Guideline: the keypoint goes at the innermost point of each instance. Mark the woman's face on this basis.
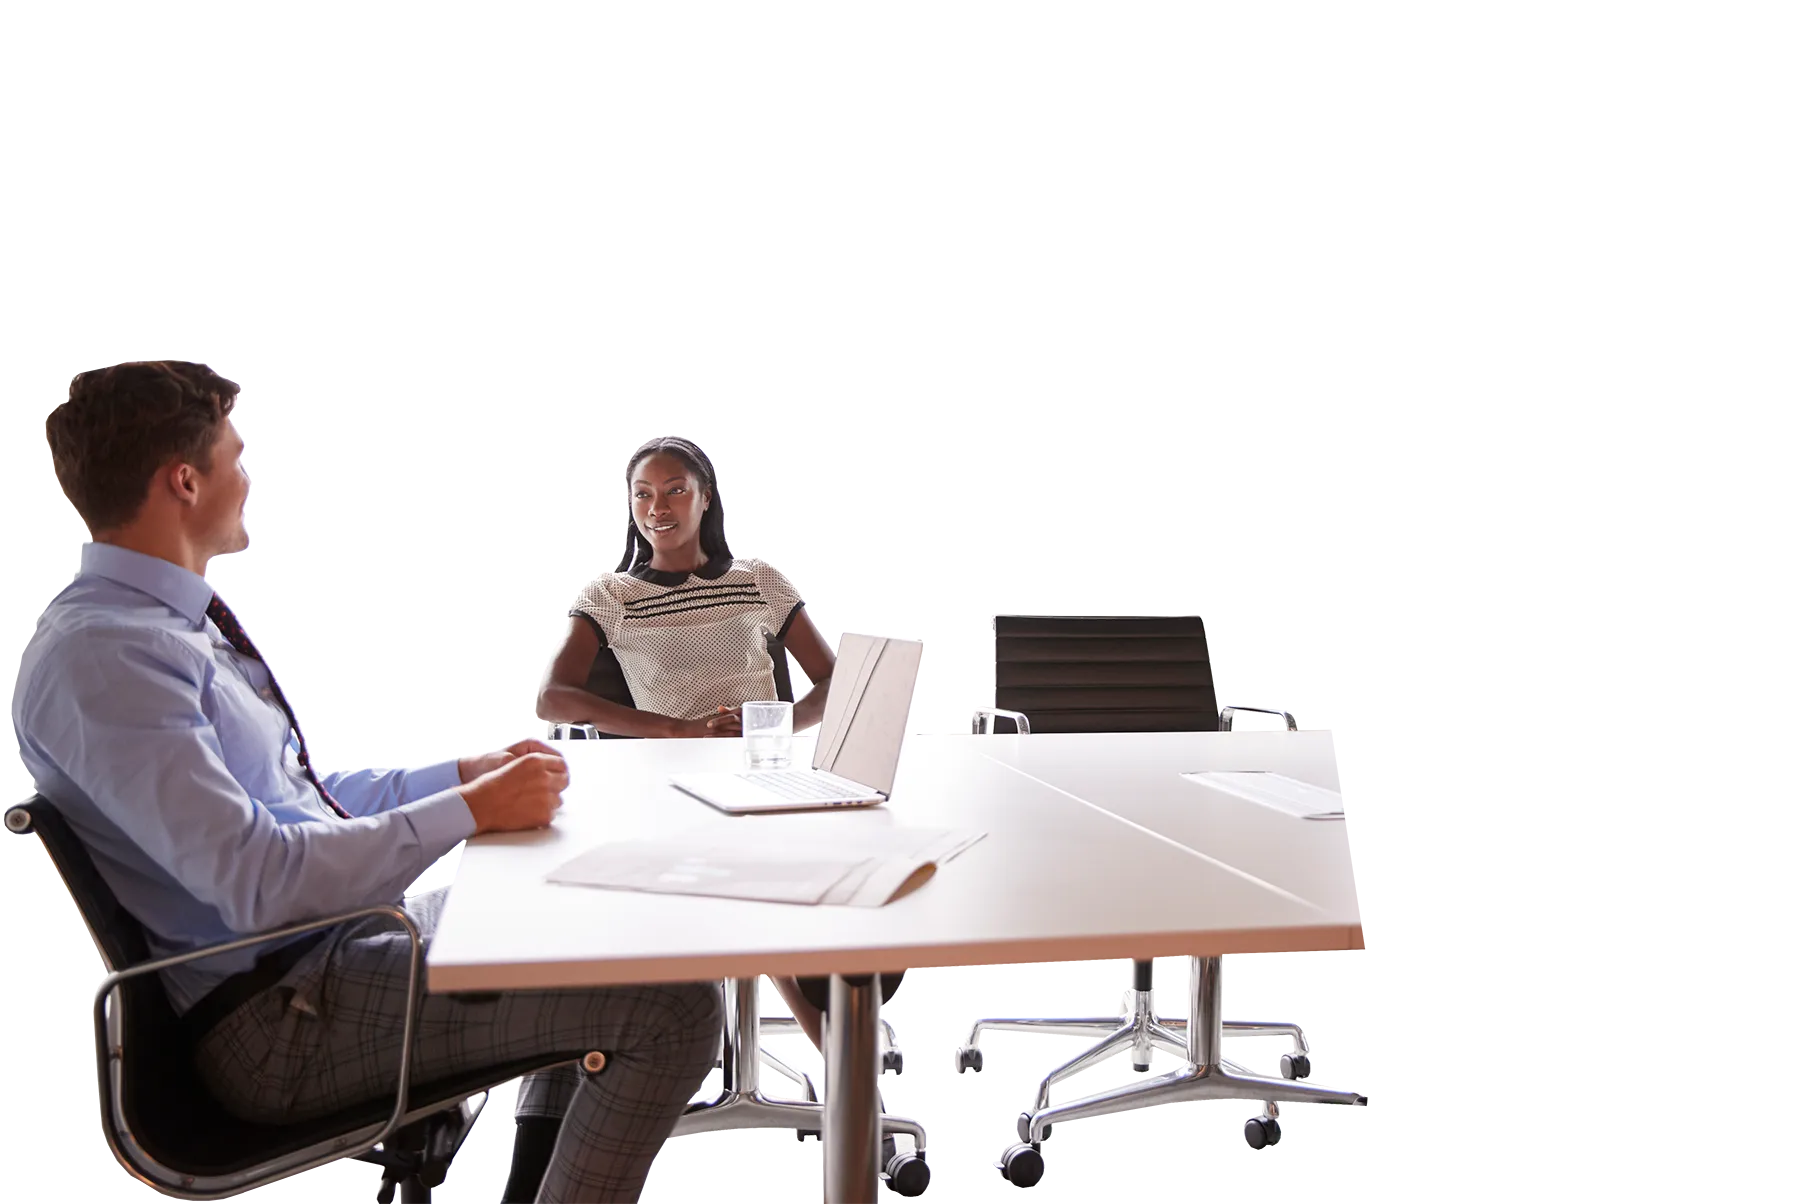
(668, 502)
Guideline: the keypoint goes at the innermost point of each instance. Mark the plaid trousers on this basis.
(329, 1035)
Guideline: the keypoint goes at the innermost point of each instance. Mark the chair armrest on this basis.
(572, 731)
(1226, 721)
(245, 942)
(984, 721)
(106, 1049)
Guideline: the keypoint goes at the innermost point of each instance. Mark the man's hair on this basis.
(121, 424)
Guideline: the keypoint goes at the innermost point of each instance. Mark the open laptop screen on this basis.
(868, 709)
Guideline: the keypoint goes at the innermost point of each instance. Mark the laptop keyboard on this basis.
(797, 784)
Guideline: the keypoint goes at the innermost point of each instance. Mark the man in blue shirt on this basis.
(149, 720)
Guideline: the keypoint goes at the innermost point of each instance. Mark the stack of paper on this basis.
(861, 866)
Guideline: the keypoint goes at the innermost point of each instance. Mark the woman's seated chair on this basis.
(607, 682)
(742, 1104)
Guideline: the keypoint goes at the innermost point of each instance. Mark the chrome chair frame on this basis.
(890, 1054)
(109, 1042)
(1140, 1029)
(743, 1104)
(1206, 1075)
(984, 720)
(359, 1143)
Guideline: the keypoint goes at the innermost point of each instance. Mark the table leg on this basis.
(850, 1138)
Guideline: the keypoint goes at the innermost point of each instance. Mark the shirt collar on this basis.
(710, 569)
(184, 592)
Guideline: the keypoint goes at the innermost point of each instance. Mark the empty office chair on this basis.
(1055, 674)
(742, 1104)
(1058, 674)
(160, 1121)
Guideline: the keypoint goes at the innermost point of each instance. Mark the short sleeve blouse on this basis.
(691, 642)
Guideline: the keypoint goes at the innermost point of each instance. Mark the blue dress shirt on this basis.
(167, 754)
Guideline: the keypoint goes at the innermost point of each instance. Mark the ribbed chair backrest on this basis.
(1073, 674)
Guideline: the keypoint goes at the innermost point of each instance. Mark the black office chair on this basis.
(1057, 674)
(742, 1104)
(1072, 674)
(158, 1117)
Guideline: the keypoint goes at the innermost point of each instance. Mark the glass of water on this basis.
(766, 727)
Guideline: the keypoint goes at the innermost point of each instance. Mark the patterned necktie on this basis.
(229, 626)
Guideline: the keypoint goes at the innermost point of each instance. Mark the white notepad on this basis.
(1275, 790)
(866, 868)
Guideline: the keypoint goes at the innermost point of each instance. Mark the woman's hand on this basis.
(724, 722)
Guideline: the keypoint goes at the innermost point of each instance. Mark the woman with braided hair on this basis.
(697, 632)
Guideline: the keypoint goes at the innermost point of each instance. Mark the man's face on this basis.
(219, 514)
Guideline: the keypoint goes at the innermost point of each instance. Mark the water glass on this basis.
(766, 727)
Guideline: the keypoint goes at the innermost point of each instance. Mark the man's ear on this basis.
(183, 482)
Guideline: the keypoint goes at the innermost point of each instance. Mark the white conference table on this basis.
(1097, 849)
(1058, 877)
(1469, 820)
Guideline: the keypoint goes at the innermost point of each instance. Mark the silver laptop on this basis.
(855, 755)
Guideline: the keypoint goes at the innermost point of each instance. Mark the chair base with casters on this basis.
(743, 1105)
(168, 1131)
(417, 1156)
(1206, 1075)
(890, 1054)
(1138, 1035)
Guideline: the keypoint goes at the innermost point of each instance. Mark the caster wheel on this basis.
(970, 1057)
(1295, 1066)
(1022, 1119)
(907, 1174)
(1022, 1165)
(1141, 1067)
(893, 1061)
(1261, 1132)
(802, 1133)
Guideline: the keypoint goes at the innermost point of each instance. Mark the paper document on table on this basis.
(1300, 799)
(870, 835)
(871, 869)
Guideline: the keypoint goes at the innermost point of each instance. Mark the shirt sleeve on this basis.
(598, 604)
(373, 791)
(779, 595)
(125, 724)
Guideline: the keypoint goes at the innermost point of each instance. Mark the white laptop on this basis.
(855, 755)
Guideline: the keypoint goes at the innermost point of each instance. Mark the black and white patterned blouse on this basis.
(690, 642)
